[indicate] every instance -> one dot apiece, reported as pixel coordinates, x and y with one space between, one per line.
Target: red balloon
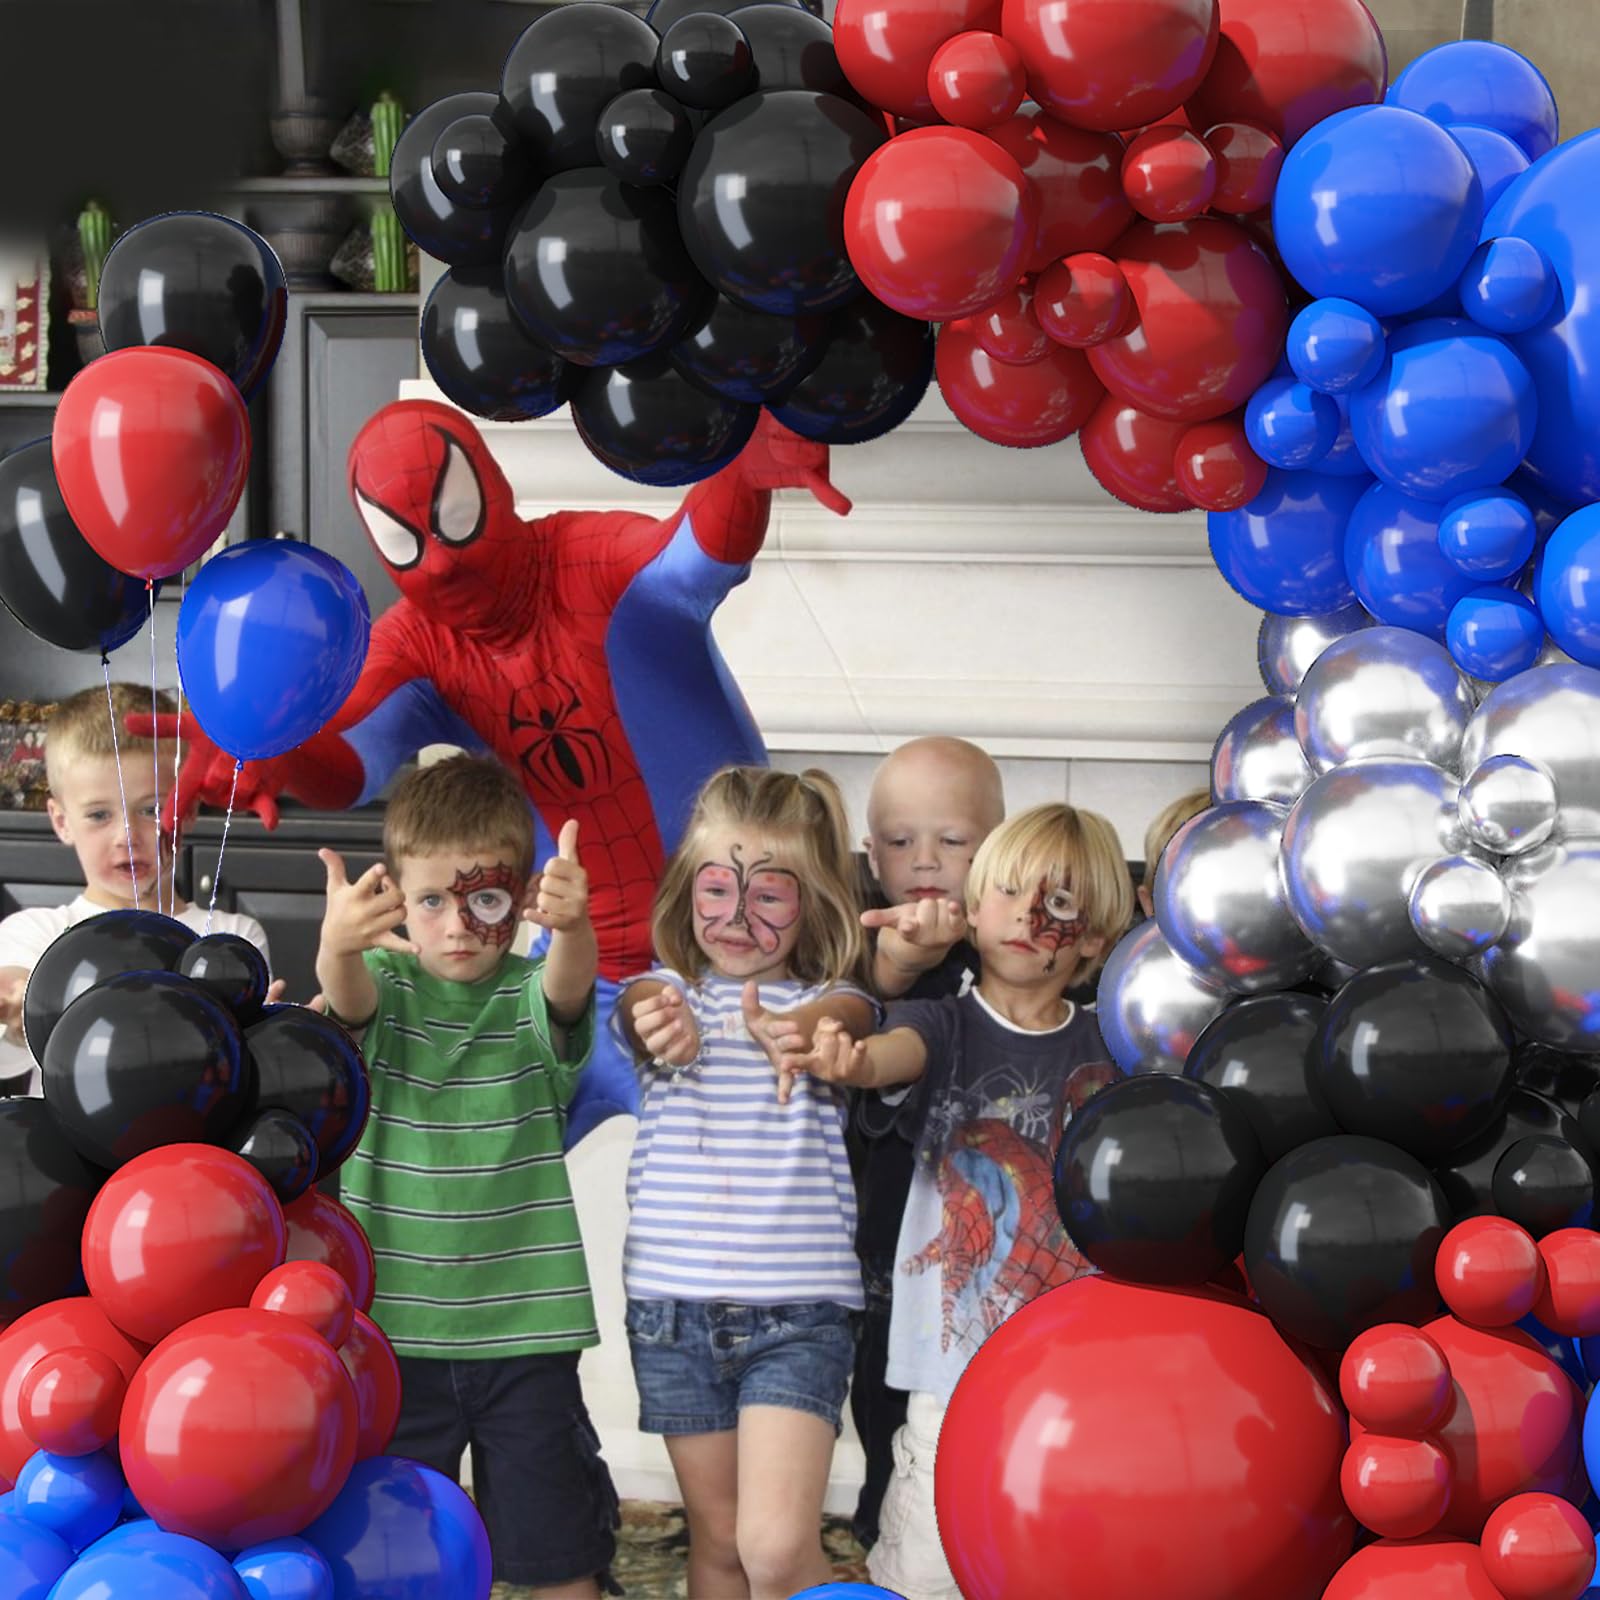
1176 118
1082 301
1489 1272
940 223
1287 64
60 1325
1394 1379
1212 317
151 450
886 46
1132 453
177 1232
1168 175
374 1369
976 80
1248 162
321 1229
1183 1449
312 1292
1216 467
1429 1569
1570 1302
1397 1487
1008 329
1113 63
1538 1547
240 1428
71 1399
1040 403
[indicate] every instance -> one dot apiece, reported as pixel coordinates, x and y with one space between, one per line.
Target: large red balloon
1538 1547
1286 64
321 1229
60 1325
177 1232
1133 455
886 46
940 223
1426 1569
151 450
1037 403
71 1401
1212 315
1114 1440
241 1427
374 1369
1112 63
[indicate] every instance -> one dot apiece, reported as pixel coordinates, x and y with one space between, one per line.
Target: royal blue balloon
1508 286
1290 425
76 1497
272 636
846 1591
1477 81
1488 535
285 1569
31 1559
1392 557
1494 634
1343 460
1567 586
1452 409
1335 345
1377 205
1284 550
139 1561
405 1532
1497 160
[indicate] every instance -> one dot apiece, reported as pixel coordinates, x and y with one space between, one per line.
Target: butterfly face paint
1054 921
745 908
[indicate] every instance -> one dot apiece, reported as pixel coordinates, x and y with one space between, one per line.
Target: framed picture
24 316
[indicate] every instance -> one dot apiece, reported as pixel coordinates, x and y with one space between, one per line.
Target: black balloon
1417 1053
1154 1178
307 1065
282 1150
705 61
191 280
644 137
1342 1235
1261 1053
1467 1176
874 370
1543 1183
459 235
482 357
45 1191
51 579
648 422
1589 1121
1567 1079
479 162
749 355
142 1060
665 12
90 952
596 271
565 68
761 200
792 50
231 970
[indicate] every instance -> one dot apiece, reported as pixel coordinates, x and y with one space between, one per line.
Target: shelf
331 185
35 399
354 299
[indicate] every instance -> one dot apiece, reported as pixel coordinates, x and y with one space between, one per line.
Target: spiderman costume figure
576 647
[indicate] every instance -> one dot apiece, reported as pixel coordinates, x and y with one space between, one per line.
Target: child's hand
834 1056
362 915
558 897
916 936
775 1032
279 986
667 1029
13 986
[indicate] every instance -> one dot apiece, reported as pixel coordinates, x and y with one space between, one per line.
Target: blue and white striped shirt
734 1197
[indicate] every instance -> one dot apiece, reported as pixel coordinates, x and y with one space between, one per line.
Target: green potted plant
95 232
391 266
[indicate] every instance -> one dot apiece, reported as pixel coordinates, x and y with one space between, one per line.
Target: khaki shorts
908 1558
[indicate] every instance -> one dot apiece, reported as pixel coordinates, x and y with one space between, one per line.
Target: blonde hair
1060 846
803 817
466 803
1167 822
79 728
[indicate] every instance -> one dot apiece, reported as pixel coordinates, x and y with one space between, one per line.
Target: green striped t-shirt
459 1178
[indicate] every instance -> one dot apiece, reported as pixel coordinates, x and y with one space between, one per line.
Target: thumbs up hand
558 896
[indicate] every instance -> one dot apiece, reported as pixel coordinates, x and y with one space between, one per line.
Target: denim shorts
698 1362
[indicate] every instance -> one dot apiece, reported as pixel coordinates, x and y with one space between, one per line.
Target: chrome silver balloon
1460 906
1151 1005
1258 757
1286 646
1509 804
1550 715
1220 901
1383 692
1352 848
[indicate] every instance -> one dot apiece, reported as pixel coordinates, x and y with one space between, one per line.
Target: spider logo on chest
556 743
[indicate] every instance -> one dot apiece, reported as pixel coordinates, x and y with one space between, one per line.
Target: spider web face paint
1054 921
758 901
487 899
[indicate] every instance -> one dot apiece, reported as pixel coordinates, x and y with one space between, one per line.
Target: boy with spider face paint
994 1076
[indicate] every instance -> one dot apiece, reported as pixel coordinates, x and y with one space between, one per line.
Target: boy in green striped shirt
459 1179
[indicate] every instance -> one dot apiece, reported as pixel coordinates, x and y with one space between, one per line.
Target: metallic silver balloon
1286 646
1550 715
1508 805
1546 970
1151 1005
1459 906
1220 902
1258 757
1383 692
1352 848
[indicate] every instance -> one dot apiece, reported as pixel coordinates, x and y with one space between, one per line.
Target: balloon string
116 755
177 757
216 880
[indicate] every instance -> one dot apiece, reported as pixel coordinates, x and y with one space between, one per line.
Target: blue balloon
1496 159
846 1591
285 1569
77 1497
272 636
1487 84
1392 556
1377 205
405 1532
1488 535
141 1562
1508 286
1343 460
1335 345
1567 586
1290 425
31 1559
1494 634
1452 409
1284 551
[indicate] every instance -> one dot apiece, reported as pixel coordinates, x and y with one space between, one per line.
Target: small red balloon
374 1369
313 1293
1397 1487
1008 329
71 1399
1394 1379
1215 466
151 450
1082 301
1538 1547
1427 1569
1488 1272
976 80
1168 175
886 46
321 1229
1570 1302
1027 406
1248 162
1131 454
